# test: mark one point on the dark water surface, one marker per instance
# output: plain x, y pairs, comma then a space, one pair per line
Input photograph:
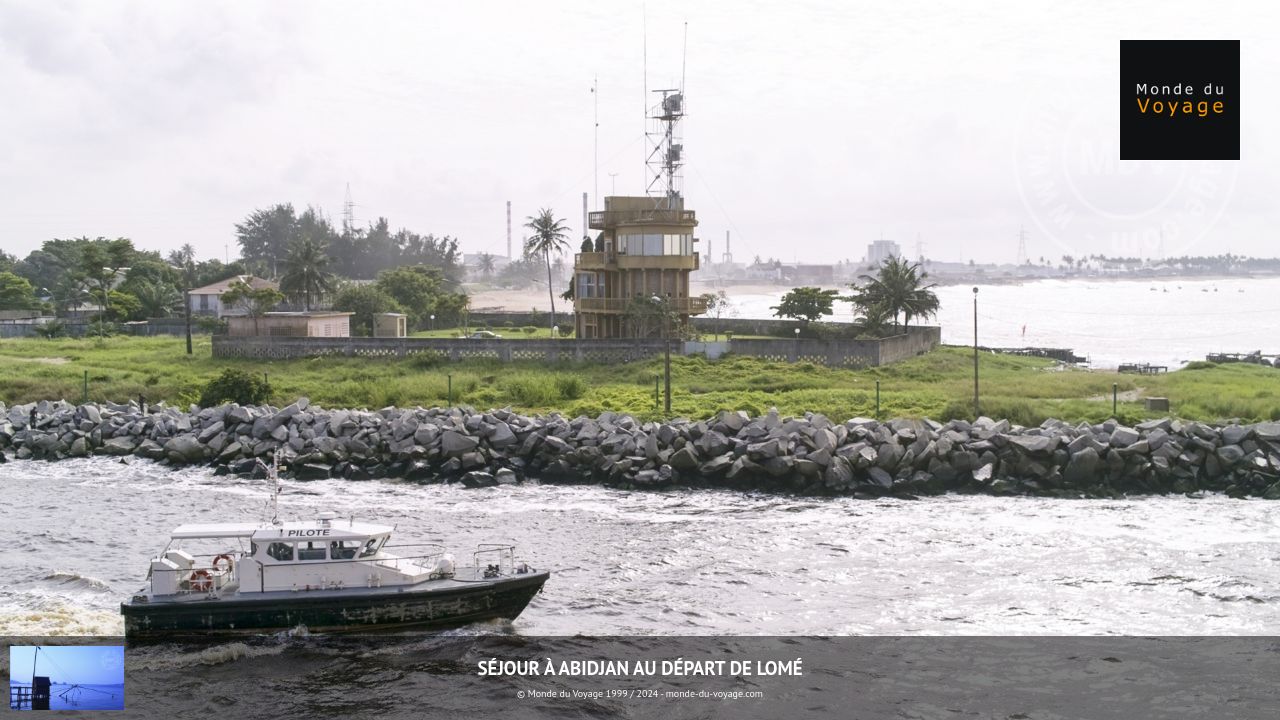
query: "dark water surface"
78, 535
698, 574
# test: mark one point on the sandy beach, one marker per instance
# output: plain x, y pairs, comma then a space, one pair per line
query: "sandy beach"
485, 299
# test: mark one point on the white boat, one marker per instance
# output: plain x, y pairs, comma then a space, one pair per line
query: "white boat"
326, 574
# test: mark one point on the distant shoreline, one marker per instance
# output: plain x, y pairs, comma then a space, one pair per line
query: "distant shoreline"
498, 300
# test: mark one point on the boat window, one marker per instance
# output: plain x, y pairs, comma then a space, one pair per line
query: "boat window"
343, 549
311, 552
280, 551
371, 547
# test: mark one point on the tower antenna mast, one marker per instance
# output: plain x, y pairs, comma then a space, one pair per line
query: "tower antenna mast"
595, 96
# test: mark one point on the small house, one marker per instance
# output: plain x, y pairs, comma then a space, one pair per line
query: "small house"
207, 300
319, 324
393, 325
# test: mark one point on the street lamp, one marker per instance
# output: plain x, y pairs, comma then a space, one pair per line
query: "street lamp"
796, 350
976, 413
433, 323
666, 353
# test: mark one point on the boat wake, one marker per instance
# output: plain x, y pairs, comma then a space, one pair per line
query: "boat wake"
72, 580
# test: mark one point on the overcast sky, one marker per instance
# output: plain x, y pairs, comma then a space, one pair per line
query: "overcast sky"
813, 127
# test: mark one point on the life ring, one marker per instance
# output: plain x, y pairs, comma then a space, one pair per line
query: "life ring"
201, 581
230, 562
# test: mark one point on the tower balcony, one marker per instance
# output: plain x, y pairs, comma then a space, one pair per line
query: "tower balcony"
615, 261
680, 305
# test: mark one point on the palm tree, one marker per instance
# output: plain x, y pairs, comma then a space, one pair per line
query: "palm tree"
182, 257
486, 264
549, 235
896, 289
306, 272
159, 300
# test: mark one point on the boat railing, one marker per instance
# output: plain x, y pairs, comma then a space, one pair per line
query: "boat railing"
402, 563
494, 556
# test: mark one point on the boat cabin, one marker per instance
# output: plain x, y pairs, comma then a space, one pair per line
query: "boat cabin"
325, 553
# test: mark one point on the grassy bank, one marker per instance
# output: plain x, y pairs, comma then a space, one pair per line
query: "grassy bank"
937, 385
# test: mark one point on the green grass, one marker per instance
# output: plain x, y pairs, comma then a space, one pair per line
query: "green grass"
937, 385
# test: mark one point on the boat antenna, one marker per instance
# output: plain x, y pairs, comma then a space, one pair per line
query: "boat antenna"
274, 474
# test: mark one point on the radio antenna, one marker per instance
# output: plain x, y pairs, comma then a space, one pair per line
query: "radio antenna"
684, 55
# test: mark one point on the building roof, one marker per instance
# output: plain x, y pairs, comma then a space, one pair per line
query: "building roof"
222, 286
307, 314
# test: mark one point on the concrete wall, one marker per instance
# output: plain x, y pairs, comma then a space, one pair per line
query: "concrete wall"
836, 353
280, 348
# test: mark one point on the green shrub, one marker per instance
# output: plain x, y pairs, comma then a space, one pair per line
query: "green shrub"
211, 325
1200, 365
50, 330
570, 387
101, 328
528, 330
236, 386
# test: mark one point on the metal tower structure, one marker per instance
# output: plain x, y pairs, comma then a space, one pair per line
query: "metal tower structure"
509, 255
1022, 246
348, 213
727, 258
666, 148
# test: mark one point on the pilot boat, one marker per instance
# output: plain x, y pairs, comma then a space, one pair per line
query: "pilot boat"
327, 574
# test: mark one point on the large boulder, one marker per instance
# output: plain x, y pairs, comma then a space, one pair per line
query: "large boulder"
122, 445
1082, 467
184, 449
455, 444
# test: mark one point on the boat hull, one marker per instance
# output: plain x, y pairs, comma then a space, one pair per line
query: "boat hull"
430, 606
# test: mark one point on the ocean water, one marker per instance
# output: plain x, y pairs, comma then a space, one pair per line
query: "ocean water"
891, 605
1162, 322
693, 562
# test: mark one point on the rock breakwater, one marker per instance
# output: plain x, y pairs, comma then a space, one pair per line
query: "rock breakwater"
810, 454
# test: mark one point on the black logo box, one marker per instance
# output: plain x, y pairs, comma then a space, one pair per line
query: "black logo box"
1186, 65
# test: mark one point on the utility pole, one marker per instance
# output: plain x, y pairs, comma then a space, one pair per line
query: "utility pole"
664, 304
509, 256
976, 412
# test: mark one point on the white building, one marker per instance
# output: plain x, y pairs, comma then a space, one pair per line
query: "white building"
207, 300
880, 250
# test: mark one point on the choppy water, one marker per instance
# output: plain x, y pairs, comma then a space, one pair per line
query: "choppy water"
78, 535
1163, 322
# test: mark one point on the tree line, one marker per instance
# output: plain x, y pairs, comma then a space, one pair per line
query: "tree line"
898, 290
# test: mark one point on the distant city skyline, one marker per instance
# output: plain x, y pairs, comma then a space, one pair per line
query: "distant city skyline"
813, 128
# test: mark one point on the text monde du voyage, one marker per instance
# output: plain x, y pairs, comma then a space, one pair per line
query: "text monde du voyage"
1180, 100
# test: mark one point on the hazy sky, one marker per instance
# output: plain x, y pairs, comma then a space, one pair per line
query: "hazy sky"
813, 127
75, 664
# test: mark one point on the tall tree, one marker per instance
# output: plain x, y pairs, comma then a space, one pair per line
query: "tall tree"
264, 236
157, 300
549, 236
16, 293
306, 271
366, 301
486, 264
7, 261
897, 289
100, 269
421, 291
183, 256
806, 304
